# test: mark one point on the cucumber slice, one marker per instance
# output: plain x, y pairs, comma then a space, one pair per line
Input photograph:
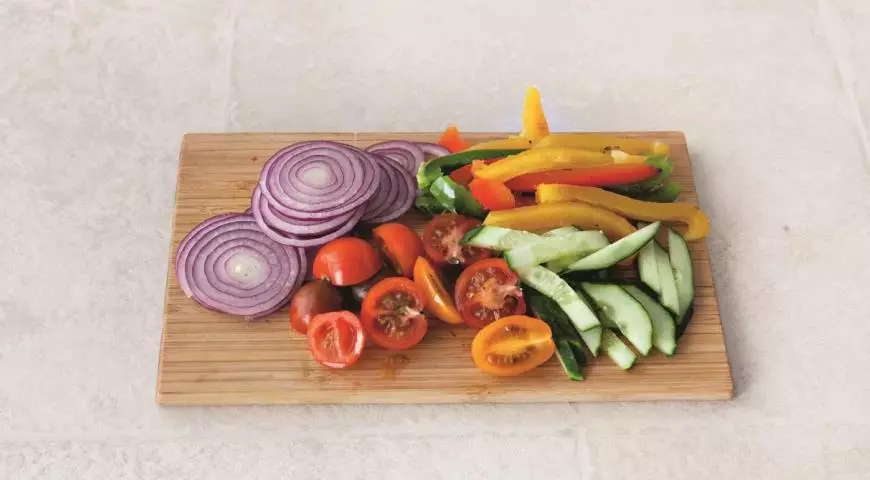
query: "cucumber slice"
592, 339
616, 350
545, 249
556, 232
668, 298
664, 330
559, 264
497, 238
648, 269
557, 289
681, 264
547, 310
569, 362
618, 251
623, 310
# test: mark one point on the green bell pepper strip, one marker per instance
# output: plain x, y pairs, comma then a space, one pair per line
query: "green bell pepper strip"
657, 189
428, 204
456, 198
438, 167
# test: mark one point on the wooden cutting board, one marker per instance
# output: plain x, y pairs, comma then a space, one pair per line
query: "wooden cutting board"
208, 359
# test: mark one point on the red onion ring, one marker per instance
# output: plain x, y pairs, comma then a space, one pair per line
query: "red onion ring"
406, 191
318, 180
433, 150
301, 241
387, 193
407, 154
296, 226
228, 264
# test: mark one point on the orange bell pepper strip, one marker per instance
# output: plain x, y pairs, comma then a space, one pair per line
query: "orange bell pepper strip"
604, 176
697, 223
491, 194
463, 175
452, 140
554, 215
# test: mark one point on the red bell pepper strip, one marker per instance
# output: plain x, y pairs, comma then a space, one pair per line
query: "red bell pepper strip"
492, 194
464, 175
451, 140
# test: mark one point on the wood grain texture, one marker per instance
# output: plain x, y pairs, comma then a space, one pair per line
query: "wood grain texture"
209, 359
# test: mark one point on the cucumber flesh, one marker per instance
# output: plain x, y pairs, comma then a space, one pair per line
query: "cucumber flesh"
668, 298
544, 249
550, 312
648, 269
664, 334
627, 313
497, 238
551, 285
617, 251
681, 264
592, 339
616, 350
569, 362
556, 232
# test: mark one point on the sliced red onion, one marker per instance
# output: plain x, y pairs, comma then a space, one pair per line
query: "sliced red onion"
387, 193
406, 190
296, 226
302, 241
432, 150
407, 154
318, 180
229, 265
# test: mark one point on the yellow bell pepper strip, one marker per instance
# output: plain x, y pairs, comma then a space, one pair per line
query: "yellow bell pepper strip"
552, 158
605, 143
534, 121
554, 215
698, 225
503, 143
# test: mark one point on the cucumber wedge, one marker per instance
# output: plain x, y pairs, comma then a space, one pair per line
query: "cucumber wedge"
648, 269
497, 238
681, 264
616, 350
556, 232
627, 313
557, 289
569, 362
592, 339
544, 249
668, 298
664, 333
618, 251
549, 311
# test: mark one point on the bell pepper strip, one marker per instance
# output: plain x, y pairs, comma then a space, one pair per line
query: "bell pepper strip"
605, 143
552, 158
503, 143
431, 170
554, 215
455, 198
452, 140
622, 174
429, 205
698, 225
534, 121
651, 190
491, 194
464, 176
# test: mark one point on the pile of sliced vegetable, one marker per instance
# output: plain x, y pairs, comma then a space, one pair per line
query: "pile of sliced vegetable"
565, 245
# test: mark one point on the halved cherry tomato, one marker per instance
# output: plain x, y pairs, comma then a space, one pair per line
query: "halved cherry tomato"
311, 300
438, 301
452, 140
392, 314
488, 290
441, 240
492, 194
336, 339
401, 245
463, 175
512, 345
346, 261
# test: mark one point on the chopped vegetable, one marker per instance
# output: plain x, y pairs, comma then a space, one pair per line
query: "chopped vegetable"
439, 302
554, 287
551, 247
617, 251
512, 345
434, 169
667, 282
686, 213
493, 195
545, 159
452, 140
603, 176
407, 154
568, 343
455, 198
624, 311
664, 335
336, 339
605, 143
392, 314
346, 261
441, 240
503, 143
311, 300
400, 245
554, 215
534, 121
464, 175
428, 204
613, 347
651, 190
486, 291
497, 238
681, 264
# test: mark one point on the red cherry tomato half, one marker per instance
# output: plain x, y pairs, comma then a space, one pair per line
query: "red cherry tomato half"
336, 339
487, 291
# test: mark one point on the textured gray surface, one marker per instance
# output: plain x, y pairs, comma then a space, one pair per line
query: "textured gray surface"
774, 97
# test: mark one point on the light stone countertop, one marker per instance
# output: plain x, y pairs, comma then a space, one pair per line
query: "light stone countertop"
774, 98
